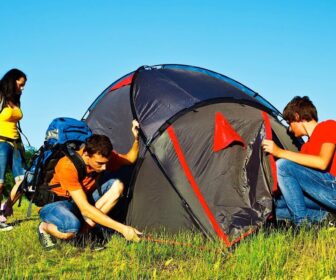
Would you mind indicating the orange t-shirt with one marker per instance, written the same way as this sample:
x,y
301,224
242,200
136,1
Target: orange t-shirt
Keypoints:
x,y
66,175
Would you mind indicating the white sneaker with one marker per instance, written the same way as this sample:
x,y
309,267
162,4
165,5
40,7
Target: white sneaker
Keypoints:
x,y
5,227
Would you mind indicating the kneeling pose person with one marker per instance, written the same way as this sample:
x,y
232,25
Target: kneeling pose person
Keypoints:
x,y
307,179
81,201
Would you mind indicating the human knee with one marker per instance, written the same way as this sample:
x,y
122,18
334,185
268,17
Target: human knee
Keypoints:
x,y
117,188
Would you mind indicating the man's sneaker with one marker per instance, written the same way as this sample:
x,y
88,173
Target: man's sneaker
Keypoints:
x,y
5,227
47,241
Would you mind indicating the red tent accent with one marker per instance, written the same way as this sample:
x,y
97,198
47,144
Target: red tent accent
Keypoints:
x,y
124,82
268,132
195,187
224,134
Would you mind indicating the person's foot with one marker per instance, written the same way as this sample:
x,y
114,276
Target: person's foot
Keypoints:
x,y
47,241
5,227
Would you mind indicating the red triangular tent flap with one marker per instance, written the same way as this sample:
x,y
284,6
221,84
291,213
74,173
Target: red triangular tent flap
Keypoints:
x,y
224,134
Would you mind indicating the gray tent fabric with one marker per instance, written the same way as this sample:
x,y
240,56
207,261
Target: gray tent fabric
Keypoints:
x,y
156,205
179,182
177,92
112,117
231,180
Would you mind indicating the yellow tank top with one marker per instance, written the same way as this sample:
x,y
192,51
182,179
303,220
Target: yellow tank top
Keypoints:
x,y
9,117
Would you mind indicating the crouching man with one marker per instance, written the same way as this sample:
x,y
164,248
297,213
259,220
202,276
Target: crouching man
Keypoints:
x,y
84,203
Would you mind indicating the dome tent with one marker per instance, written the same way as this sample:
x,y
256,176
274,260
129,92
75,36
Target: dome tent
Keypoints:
x,y
201,165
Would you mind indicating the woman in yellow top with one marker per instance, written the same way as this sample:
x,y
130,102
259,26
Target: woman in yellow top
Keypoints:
x,y
11,86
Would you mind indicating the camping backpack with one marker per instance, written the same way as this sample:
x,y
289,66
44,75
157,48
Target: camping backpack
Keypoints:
x,y
63,137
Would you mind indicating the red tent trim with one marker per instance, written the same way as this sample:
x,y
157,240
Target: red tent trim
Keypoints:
x,y
268,132
193,183
124,82
243,236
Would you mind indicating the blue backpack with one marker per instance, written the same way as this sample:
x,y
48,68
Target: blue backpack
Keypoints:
x,y
64,137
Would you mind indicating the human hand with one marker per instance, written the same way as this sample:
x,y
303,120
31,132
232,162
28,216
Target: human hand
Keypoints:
x,y
270,147
135,129
131,234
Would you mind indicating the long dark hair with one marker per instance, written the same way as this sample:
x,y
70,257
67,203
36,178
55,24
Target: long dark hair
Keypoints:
x,y
8,87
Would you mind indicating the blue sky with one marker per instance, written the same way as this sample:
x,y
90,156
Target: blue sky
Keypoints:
x,y
71,50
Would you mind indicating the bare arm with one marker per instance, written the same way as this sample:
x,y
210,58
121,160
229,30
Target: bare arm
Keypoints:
x,y
320,161
133,153
99,217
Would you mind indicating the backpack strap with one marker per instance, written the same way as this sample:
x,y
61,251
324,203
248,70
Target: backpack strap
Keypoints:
x,y
21,132
77,160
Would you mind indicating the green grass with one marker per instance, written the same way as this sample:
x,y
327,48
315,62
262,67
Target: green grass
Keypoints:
x,y
275,254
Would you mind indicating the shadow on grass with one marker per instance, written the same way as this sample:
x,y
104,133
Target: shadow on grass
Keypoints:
x,y
19,221
96,239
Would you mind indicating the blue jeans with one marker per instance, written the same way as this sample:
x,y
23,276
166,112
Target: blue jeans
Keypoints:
x,y
307,194
11,157
66,215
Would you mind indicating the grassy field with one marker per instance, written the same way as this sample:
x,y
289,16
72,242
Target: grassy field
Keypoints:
x,y
272,254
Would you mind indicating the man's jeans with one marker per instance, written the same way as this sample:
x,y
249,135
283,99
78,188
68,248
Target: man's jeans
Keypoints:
x,y
65,214
307,194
